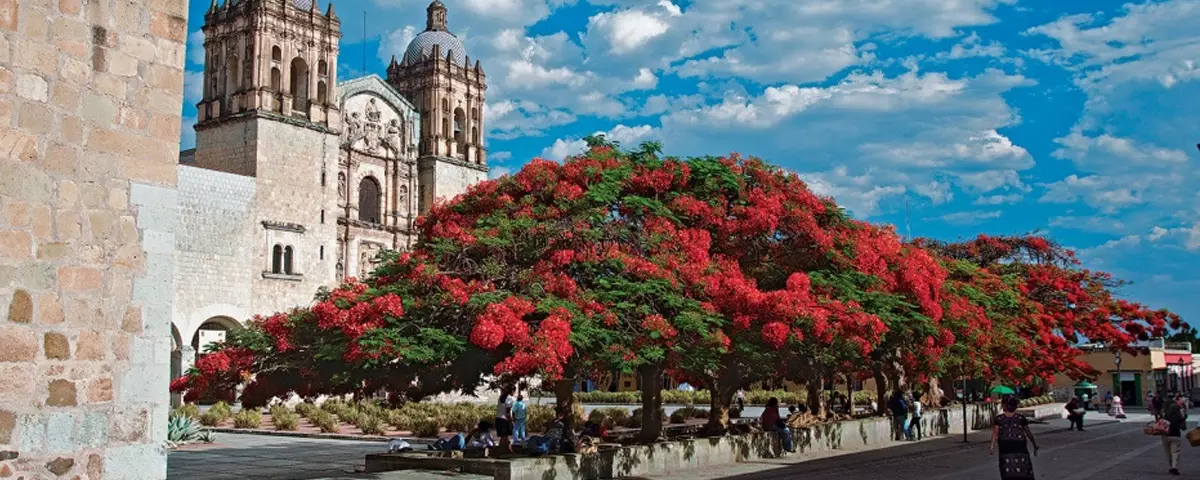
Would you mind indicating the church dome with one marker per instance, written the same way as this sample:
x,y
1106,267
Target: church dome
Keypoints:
x,y
422,46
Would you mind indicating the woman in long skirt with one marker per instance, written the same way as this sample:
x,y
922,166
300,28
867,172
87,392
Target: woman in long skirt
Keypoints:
x,y
1011,433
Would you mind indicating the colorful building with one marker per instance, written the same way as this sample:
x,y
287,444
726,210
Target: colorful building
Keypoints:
x,y
1159,366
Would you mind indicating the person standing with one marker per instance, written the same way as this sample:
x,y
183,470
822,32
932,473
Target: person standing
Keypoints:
x,y
1075,413
1156,406
1118,408
1108,401
519,413
741,399
914,423
1010,431
504,426
1176,415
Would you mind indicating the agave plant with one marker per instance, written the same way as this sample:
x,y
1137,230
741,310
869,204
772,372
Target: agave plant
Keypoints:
x,y
183,429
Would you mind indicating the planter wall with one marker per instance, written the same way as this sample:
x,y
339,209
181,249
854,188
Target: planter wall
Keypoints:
x,y
676,456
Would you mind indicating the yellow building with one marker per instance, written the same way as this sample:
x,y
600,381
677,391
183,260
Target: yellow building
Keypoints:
x,y
1158,366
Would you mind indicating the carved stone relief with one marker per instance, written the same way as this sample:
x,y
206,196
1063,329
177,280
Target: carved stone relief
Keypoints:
x,y
373,128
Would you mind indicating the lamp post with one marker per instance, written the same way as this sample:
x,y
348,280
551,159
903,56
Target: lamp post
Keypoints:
x,y
1117,361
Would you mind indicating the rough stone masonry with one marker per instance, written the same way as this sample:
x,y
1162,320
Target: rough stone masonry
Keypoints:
x,y
89,136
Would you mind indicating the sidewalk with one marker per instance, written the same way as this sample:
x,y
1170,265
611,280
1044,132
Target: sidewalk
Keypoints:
x,y
932,447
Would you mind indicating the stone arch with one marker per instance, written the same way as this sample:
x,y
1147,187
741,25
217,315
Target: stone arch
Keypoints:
x,y
298,85
218,323
176,361
288,252
369,200
277,258
322,67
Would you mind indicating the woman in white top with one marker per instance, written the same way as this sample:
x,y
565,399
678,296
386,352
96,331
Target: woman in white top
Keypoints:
x,y
504,426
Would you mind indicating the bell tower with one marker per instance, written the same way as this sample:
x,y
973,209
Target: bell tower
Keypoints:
x,y
274,59
437,76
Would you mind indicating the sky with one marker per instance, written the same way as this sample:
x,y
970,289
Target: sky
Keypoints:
x,y
1077,119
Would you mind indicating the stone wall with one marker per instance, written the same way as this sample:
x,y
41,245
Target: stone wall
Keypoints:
x,y
442,179
89,137
213,249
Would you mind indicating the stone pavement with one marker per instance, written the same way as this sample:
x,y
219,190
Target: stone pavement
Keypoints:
x,y
237,456
1107,449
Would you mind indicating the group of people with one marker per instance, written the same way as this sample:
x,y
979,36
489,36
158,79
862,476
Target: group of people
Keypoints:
x,y
906,408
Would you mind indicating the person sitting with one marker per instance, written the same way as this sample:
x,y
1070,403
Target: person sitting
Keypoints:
x,y
772,423
481,436
558,437
456,442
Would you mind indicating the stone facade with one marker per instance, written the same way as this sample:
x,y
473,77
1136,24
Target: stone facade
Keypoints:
x,y
89,131
298,182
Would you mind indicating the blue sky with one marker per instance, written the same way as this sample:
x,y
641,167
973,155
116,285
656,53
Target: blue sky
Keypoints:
x,y
1076,118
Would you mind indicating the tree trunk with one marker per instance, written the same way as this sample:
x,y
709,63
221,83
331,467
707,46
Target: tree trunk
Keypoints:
x,y
722,388
813,400
564,398
652,421
881,393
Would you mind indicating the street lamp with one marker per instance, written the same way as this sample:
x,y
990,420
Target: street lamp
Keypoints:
x,y
1117,360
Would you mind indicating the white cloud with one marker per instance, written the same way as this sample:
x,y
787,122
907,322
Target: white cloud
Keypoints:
x,y
645,79
497,172
499,156
1116,152
999,199
187,133
970,218
195,48
972,46
860,194
628,30
507,119
937,192
193,87
625,136
395,43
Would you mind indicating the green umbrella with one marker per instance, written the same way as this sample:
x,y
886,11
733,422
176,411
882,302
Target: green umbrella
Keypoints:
x,y
1002,390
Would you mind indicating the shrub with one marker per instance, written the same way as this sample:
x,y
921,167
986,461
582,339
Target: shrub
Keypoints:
x,y
371,408
279,409
325,421
211,418
399,420
187,410
692,412
285,421
425,428
610,417
222,409
306,409
370,424
333,406
247,418
678,418
635,417
349,415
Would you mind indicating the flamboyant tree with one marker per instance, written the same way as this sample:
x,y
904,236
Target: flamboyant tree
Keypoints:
x,y
718,271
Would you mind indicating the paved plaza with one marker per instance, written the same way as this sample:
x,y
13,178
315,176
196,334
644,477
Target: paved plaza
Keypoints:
x,y
1108,449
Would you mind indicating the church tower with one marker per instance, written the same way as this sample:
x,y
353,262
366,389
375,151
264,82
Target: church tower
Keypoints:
x,y
270,110
437,76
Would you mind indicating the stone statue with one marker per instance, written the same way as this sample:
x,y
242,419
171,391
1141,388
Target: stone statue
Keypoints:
x,y
373,115
353,128
391,139
341,187
373,128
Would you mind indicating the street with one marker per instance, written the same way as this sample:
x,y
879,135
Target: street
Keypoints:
x,y
1108,450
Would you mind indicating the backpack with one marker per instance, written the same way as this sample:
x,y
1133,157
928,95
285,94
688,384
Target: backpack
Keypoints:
x,y
458,442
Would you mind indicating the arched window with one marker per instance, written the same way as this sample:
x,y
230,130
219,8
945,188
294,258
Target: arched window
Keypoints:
x,y
287,259
276,79
368,200
460,136
475,114
322,68
446,105
276,54
299,86
446,127
321,93
475,136
277,259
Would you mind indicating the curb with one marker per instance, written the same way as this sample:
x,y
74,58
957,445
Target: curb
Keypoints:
x,y
321,436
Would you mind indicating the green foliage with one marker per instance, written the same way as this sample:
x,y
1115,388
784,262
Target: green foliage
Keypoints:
x,y
222,409
211,418
692,412
285,420
187,410
182,429
426,427
370,424
306,409
610,417
325,421
247,418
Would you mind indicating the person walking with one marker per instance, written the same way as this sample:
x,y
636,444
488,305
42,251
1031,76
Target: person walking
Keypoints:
x,y
1075,413
899,410
520,412
1118,408
1175,414
1108,402
741,399
1011,433
914,423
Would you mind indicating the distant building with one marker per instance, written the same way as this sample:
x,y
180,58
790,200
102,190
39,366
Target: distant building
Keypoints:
x,y
299,179
1159,366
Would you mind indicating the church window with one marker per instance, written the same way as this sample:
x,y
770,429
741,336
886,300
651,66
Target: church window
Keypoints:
x,y
276,54
322,68
446,105
276,79
322,254
475,135
421,198
322,215
322,178
460,136
287,259
321,93
299,85
475,114
277,259
368,200
445,127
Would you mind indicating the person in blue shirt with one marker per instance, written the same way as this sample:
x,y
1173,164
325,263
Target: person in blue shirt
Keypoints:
x,y
519,413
